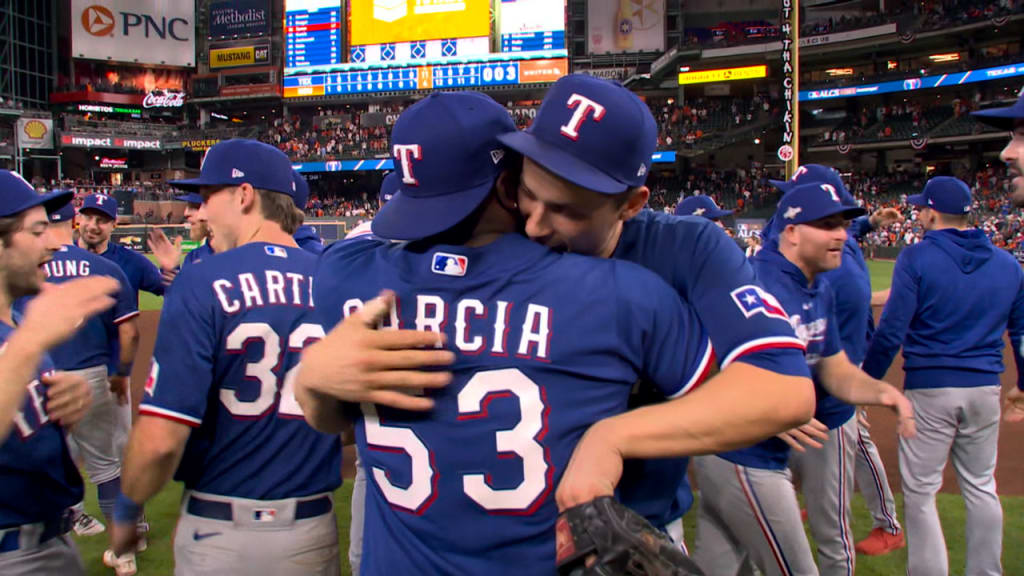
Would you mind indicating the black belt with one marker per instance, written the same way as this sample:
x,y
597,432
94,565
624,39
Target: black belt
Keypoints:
x,y
11,540
217,510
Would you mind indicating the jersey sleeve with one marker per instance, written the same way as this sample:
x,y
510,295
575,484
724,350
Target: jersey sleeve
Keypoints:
x,y
860,227
896,317
335,268
1016,329
719,282
126,305
675,351
833,341
152,281
182,370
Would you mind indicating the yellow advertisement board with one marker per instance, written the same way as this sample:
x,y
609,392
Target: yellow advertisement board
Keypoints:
x,y
723,75
239,56
389,21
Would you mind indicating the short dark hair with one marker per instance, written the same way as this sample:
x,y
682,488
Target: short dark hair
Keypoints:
x,y
9,226
280,208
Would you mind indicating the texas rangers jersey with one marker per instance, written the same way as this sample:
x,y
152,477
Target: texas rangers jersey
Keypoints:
x,y
197,255
706,268
38,479
90,346
811,310
851,283
142,274
229,341
546,345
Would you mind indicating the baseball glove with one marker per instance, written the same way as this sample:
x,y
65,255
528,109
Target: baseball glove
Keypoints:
x,y
604,538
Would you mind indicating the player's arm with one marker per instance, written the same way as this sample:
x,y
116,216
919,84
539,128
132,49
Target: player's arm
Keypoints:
x,y
152,280
1014,406
357,363
126,314
896,317
49,319
851,385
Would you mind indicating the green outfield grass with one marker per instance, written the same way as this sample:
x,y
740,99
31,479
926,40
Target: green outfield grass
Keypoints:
x,y
162,512
881,273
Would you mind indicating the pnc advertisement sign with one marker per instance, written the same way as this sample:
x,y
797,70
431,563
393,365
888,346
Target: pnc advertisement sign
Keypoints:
x,y
161,32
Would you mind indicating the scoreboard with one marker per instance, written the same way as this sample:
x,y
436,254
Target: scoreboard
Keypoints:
x,y
472,75
313,33
364,46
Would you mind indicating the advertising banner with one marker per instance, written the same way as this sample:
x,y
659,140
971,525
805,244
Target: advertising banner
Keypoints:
x,y
388,21
160,32
239,18
239,56
625,26
80,140
35,132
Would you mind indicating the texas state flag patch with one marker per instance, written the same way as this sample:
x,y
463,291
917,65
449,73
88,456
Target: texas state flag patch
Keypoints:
x,y
449,264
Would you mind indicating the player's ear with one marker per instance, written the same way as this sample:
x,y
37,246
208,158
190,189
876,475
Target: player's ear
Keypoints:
x,y
506,188
636,199
247,197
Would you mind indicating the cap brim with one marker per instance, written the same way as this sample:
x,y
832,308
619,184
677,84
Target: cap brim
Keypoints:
x,y
562,164
784,185
193,184
1001,118
406,217
720,213
917,200
191,198
55,200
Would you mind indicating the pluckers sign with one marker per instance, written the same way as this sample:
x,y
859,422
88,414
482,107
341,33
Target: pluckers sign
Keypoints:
x,y
788,152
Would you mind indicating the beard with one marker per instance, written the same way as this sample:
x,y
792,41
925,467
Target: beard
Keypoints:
x,y
198,232
21,283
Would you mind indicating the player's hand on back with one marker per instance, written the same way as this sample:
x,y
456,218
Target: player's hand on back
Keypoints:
x,y
57,312
68,397
355,362
810,434
168,254
1013,406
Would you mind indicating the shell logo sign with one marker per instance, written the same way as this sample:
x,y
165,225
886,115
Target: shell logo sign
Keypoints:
x,y
35,129
35,132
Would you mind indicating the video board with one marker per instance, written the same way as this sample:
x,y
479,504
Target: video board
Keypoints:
x,y
398,45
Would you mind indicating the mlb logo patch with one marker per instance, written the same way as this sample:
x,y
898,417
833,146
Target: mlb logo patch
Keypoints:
x,y
276,251
756,300
264,514
449,264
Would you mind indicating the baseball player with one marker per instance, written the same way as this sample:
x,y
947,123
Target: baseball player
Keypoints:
x,y
1010,118
168,253
748,506
587,155
851,285
703,206
219,405
953,294
463,476
38,479
101,435
305,236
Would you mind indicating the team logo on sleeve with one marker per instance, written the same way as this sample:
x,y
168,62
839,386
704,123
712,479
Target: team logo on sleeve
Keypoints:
x,y
449,264
756,300
154,373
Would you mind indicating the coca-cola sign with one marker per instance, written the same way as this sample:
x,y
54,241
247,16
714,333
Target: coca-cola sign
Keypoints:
x,y
164,99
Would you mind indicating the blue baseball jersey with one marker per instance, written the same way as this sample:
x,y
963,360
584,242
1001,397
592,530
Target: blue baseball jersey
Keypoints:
x,y
707,269
546,344
38,479
198,254
811,311
142,274
225,362
851,283
90,346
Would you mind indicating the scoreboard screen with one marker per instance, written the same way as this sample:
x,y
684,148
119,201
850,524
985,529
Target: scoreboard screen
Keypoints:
x,y
398,45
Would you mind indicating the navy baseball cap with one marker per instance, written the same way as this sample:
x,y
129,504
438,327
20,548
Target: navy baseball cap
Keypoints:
x,y
817,174
945,194
701,206
301,195
63,214
100,203
191,198
18,195
1003,118
388,187
594,133
238,161
447,157
810,202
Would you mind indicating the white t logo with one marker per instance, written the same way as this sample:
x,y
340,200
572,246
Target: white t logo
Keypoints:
x,y
583,106
406,153
100,198
832,192
800,171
